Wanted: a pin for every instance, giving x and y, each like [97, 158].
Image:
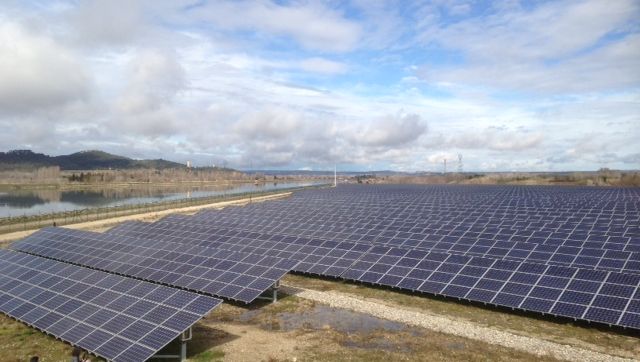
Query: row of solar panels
[561, 291]
[544, 253]
[592, 295]
[124, 298]
[118, 318]
[508, 229]
[299, 232]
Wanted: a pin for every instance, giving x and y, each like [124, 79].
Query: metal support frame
[187, 335]
[274, 290]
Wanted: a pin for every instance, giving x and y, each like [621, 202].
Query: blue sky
[510, 85]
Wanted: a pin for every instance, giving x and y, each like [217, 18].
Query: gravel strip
[455, 327]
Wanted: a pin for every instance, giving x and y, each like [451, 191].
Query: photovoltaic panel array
[596, 296]
[592, 295]
[233, 275]
[603, 249]
[314, 256]
[538, 215]
[118, 318]
[181, 229]
[566, 251]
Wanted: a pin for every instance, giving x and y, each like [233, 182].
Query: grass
[383, 347]
[607, 341]
[19, 342]
[208, 356]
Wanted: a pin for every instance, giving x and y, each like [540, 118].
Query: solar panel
[118, 318]
[565, 251]
[188, 231]
[314, 256]
[605, 239]
[599, 296]
[237, 276]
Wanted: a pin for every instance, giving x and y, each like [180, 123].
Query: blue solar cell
[158, 338]
[455, 291]
[608, 302]
[584, 286]
[61, 326]
[159, 314]
[410, 283]
[181, 321]
[113, 346]
[537, 305]
[137, 329]
[34, 314]
[77, 332]
[631, 320]
[94, 340]
[568, 310]
[602, 315]
[553, 282]
[509, 300]
[516, 288]
[118, 323]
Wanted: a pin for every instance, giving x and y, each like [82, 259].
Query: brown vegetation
[53, 176]
[603, 177]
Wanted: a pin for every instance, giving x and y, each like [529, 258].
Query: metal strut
[274, 290]
[187, 335]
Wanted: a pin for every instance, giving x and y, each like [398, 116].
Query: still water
[44, 201]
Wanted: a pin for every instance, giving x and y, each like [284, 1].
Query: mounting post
[276, 285]
[184, 337]
[274, 293]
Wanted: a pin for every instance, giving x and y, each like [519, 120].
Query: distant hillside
[85, 160]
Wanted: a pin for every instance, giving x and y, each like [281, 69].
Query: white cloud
[278, 124]
[392, 131]
[108, 22]
[258, 83]
[495, 138]
[313, 25]
[556, 47]
[325, 66]
[36, 72]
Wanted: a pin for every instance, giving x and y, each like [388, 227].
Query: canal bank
[96, 225]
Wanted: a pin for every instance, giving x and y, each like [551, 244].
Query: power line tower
[459, 162]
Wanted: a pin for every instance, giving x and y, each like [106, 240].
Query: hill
[84, 160]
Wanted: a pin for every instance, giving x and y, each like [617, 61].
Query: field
[326, 319]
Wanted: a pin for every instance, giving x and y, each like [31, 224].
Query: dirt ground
[296, 329]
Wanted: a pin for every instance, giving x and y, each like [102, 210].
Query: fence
[19, 223]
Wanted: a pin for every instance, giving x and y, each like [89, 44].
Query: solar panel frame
[70, 318]
[215, 272]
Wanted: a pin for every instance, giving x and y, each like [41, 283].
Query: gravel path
[454, 327]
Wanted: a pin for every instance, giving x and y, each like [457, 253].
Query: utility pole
[459, 162]
[335, 175]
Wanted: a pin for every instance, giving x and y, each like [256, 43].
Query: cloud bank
[509, 85]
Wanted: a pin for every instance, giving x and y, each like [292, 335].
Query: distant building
[188, 164]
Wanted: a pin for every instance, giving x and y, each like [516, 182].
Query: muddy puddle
[321, 317]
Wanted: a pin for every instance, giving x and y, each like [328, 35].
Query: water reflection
[41, 201]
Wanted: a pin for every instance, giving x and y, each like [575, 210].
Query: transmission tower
[459, 162]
